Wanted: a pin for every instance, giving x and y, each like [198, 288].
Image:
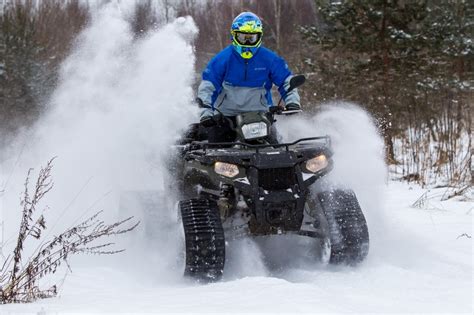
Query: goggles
[248, 39]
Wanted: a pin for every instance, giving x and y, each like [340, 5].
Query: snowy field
[421, 265]
[110, 122]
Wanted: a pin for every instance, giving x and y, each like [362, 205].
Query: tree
[34, 39]
[400, 59]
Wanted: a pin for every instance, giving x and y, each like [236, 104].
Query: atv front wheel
[204, 239]
[347, 227]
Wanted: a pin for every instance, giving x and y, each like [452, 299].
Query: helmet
[246, 32]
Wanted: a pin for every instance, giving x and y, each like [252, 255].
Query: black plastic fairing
[271, 178]
[263, 158]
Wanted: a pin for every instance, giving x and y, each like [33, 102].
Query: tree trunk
[277, 12]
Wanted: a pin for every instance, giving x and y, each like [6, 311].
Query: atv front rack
[207, 145]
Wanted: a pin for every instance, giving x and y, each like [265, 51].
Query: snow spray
[358, 156]
[119, 105]
[358, 165]
[358, 149]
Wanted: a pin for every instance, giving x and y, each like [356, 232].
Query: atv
[256, 187]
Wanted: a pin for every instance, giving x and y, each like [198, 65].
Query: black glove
[200, 103]
[207, 121]
[292, 106]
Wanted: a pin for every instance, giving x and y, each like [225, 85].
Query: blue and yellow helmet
[246, 32]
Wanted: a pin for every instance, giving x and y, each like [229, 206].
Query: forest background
[408, 63]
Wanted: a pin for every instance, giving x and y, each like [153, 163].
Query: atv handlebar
[288, 112]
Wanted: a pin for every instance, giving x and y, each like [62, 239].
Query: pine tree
[400, 58]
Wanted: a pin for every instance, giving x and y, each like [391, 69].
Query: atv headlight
[255, 130]
[317, 163]
[226, 169]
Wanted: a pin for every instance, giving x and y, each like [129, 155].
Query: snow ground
[421, 265]
[416, 264]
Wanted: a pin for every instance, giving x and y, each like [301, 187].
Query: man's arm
[211, 85]
[281, 76]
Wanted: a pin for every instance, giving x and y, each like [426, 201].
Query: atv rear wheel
[347, 227]
[204, 239]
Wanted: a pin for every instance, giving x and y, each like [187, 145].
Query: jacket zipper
[246, 64]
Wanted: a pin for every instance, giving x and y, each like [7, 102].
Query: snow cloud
[358, 156]
[120, 103]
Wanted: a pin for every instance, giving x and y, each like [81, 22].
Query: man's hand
[207, 121]
[292, 106]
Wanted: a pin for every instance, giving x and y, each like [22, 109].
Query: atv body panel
[272, 179]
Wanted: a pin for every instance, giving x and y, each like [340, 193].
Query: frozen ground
[422, 265]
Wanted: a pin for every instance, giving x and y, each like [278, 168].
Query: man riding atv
[236, 180]
[239, 79]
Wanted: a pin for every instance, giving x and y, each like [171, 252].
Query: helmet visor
[248, 39]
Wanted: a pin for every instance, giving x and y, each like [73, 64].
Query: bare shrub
[18, 278]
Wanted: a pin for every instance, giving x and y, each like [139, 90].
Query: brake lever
[290, 112]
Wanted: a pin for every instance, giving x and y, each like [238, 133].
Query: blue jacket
[234, 85]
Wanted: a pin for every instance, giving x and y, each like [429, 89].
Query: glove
[200, 103]
[292, 106]
[207, 121]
